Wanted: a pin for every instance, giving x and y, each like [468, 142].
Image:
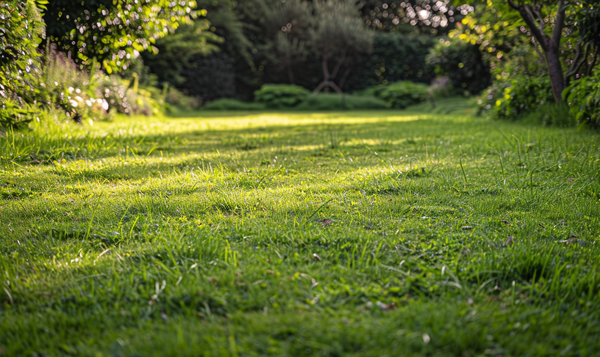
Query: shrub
[401, 94]
[232, 104]
[511, 99]
[175, 98]
[395, 57]
[14, 114]
[463, 63]
[327, 101]
[583, 98]
[441, 88]
[20, 30]
[280, 95]
[209, 77]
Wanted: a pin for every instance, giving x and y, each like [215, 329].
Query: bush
[401, 94]
[20, 30]
[209, 77]
[463, 63]
[583, 98]
[327, 101]
[14, 114]
[280, 95]
[395, 57]
[513, 98]
[174, 98]
[441, 88]
[232, 104]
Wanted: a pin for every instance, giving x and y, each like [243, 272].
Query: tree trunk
[532, 16]
[327, 83]
[557, 79]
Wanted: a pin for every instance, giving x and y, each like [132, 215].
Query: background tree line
[134, 57]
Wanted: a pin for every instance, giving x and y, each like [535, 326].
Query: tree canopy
[113, 32]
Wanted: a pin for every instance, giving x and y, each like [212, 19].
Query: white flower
[92, 100]
[70, 89]
[89, 103]
[79, 99]
[78, 90]
[91, 122]
[73, 103]
[105, 105]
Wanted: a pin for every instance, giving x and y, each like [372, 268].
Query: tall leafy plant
[20, 31]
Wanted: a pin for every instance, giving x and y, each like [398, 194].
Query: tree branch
[559, 23]
[536, 10]
[537, 50]
[339, 64]
[530, 21]
[578, 61]
[512, 4]
[593, 64]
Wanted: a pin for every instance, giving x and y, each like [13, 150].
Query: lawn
[416, 232]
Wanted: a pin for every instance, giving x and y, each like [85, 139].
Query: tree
[113, 32]
[175, 51]
[546, 23]
[537, 20]
[288, 26]
[339, 31]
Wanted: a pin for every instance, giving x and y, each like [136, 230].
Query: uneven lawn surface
[347, 233]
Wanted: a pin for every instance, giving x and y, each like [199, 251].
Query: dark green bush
[280, 95]
[209, 77]
[512, 98]
[583, 98]
[463, 63]
[334, 101]
[395, 57]
[401, 94]
[232, 104]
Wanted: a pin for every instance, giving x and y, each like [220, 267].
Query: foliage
[20, 31]
[417, 16]
[560, 32]
[400, 94]
[209, 77]
[463, 64]
[113, 32]
[62, 84]
[513, 98]
[232, 104]
[13, 114]
[583, 98]
[175, 51]
[289, 28]
[395, 57]
[334, 101]
[441, 87]
[280, 95]
[174, 99]
[339, 31]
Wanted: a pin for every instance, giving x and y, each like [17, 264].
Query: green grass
[352, 233]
